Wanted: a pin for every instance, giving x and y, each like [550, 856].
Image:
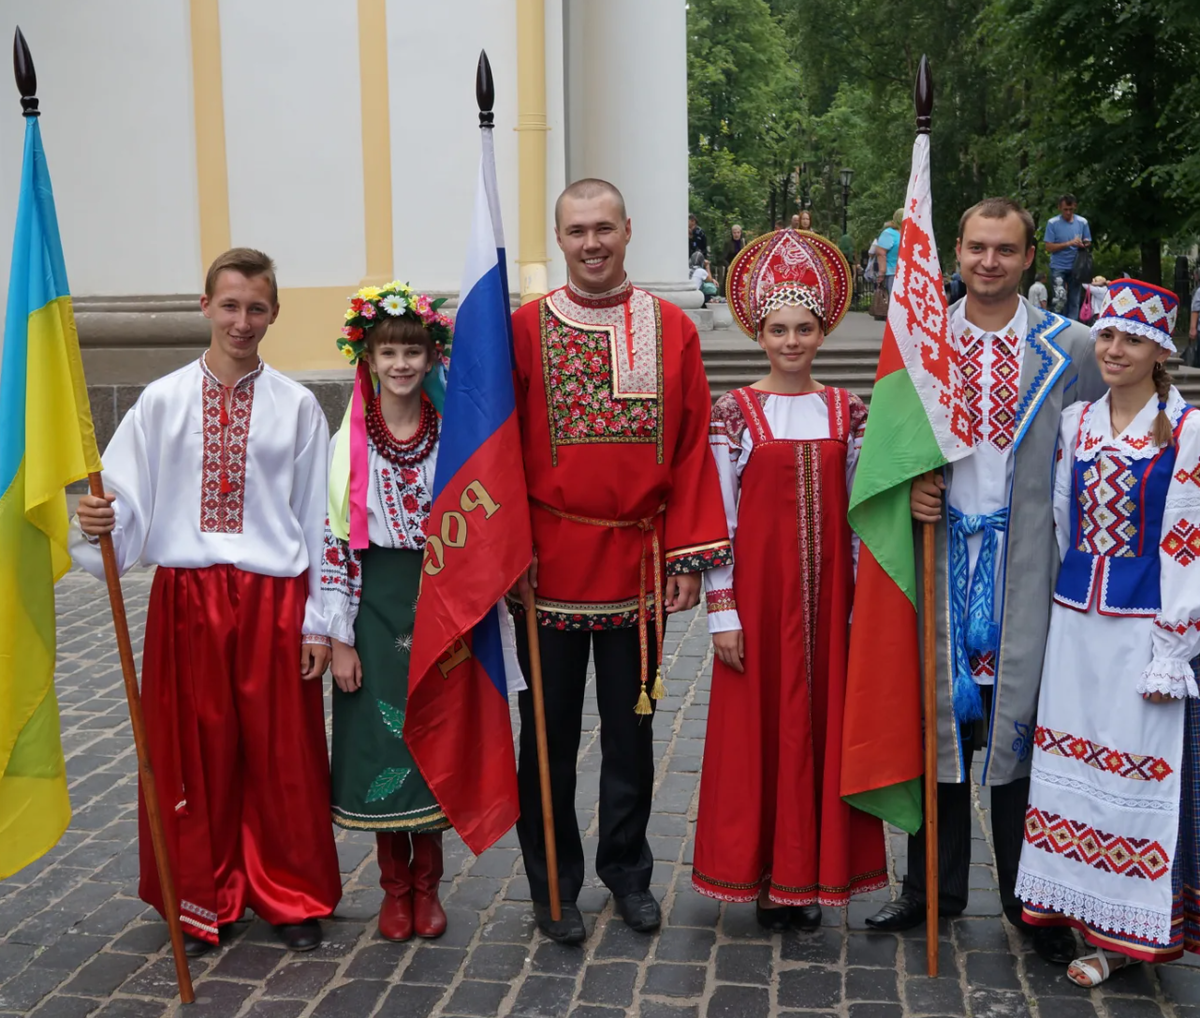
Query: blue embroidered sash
[972, 611]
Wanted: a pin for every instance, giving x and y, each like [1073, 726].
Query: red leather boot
[395, 877]
[429, 919]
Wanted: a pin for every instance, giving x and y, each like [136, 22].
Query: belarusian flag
[918, 422]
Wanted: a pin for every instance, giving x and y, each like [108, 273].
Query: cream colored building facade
[340, 136]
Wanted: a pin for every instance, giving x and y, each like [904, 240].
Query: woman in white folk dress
[1110, 832]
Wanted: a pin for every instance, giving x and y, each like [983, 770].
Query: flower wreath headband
[349, 470]
[373, 304]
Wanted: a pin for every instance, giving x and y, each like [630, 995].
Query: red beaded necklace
[411, 451]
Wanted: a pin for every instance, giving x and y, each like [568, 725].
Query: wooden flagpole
[485, 96]
[145, 772]
[923, 99]
[26, 77]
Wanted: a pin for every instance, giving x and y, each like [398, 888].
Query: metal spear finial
[26, 75]
[485, 91]
[923, 96]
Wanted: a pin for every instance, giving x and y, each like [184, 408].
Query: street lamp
[847, 177]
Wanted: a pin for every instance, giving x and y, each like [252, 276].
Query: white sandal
[1084, 975]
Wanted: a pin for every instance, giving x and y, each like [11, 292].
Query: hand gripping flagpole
[27, 86]
[923, 99]
[485, 95]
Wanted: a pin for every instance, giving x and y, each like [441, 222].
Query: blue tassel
[968, 701]
[982, 635]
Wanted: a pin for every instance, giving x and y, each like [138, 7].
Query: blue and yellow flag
[46, 442]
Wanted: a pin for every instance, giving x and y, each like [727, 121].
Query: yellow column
[531, 147]
[376, 139]
[208, 101]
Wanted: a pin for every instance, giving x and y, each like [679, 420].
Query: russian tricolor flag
[478, 543]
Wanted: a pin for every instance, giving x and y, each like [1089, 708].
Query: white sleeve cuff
[1170, 675]
[341, 628]
[724, 622]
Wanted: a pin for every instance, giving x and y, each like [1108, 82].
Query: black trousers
[1009, 802]
[623, 858]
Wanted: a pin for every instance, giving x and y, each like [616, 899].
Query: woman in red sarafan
[772, 827]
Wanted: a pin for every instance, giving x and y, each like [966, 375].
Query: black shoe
[640, 911]
[902, 914]
[568, 930]
[300, 936]
[774, 919]
[1055, 944]
[194, 947]
[805, 917]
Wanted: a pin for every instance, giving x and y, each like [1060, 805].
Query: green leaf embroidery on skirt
[393, 717]
[386, 783]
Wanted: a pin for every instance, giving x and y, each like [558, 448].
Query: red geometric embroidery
[226, 429]
[983, 666]
[1182, 476]
[721, 600]
[1002, 414]
[1112, 761]
[1183, 543]
[1106, 508]
[972, 371]
[1110, 853]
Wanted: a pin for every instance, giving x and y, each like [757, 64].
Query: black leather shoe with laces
[640, 911]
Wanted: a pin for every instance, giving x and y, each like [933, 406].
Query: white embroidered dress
[1102, 825]
[206, 474]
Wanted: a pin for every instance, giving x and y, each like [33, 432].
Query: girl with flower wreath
[1112, 842]
[772, 827]
[381, 482]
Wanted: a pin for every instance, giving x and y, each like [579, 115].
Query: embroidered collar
[607, 299]
[1015, 331]
[244, 380]
[1136, 441]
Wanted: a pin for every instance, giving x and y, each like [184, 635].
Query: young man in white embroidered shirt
[996, 558]
[217, 476]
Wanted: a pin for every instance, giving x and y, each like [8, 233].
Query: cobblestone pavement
[75, 940]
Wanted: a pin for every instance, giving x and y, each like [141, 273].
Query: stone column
[627, 111]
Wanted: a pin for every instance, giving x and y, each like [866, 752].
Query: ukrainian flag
[46, 442]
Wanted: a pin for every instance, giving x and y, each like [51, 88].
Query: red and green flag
[918, 422]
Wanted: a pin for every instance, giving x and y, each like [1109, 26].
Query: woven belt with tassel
[650, 546]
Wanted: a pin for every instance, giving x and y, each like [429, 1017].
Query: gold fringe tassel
[643, 704]
[659, 692]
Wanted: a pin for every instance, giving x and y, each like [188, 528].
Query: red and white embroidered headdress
[1140, 308]
[788, 268]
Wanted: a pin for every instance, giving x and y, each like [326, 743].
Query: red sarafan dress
[770, 813]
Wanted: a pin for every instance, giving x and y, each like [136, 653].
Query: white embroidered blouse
[207, 475]
[398, 503]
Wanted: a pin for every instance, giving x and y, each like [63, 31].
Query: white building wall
[115, 85]
[293, 141]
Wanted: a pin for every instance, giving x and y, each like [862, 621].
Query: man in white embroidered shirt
[996, 559]
[217, 476]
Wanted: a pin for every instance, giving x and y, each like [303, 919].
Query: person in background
[1066, 234]
[806, 220]
[1038, 296]
[733, 245]
[1095, 293]
[701, 279]
[697, 241]
[887, 250]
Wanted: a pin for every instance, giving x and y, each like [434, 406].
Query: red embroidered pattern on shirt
[972, 370]
[223, 461]
[1112, 761]
[1110, 853]
[721, 600]
[1178, 628]
[577, 368]
[408, 508]
[1106, 510]
[983, 666]
[1003, 392]
[1183, 543]
[1182, 476]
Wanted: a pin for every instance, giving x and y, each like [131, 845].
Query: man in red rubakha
[626, 513]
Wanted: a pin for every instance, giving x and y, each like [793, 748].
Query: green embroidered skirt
[376, 785]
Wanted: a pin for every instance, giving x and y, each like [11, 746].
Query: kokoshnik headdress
[1140, 308]
[349, 472]
[788, 268]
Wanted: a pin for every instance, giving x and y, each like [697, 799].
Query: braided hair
[1164, 434]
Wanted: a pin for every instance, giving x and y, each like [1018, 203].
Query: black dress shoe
[640, 911]
[806, 917]
[774, 919]
[902, 914]
[194, 947]
[1055, 944]
[568, 930]
[300, 936]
